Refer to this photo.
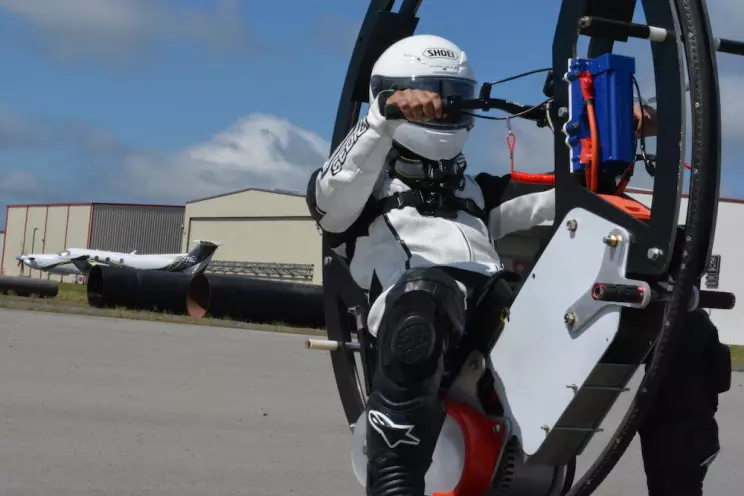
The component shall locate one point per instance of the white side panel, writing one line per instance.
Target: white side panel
(536, 359)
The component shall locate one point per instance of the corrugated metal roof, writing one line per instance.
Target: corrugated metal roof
(277, 191)
(145, 229)
(83, 204)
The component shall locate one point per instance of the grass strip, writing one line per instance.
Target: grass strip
(73, 299)
(81, 308)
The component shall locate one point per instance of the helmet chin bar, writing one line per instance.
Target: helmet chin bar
(622, 262)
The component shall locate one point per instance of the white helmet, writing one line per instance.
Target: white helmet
(429, 63)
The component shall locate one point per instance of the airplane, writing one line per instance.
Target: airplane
(79, 261)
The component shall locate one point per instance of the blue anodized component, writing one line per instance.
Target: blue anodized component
(613, 103)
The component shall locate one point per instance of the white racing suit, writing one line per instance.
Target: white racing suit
(404, 239)
(417, 310)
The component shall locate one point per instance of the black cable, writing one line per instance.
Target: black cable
(642, 138)
(520, 114)
(628, 173)
(524, 74)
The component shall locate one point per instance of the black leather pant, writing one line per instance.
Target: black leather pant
(679, 438)
(417, 356)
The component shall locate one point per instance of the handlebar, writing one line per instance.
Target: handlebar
(392, 112)
(732, 47)
(701, 298)
(453, 106)
(718, 300)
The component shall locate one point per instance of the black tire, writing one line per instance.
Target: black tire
(701, 219)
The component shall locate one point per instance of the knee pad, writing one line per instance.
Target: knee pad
(439, 286)
(424, 314)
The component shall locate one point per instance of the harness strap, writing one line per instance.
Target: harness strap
(434, 205)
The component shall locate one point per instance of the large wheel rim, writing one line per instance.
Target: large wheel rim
(694, 45)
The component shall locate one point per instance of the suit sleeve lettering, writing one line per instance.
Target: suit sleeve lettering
(338, 192)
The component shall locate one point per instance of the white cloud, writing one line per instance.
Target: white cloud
(117, 30)
(257, 151)
(22, 132)
(19, 182)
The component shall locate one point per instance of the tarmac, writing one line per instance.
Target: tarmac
(100, 406)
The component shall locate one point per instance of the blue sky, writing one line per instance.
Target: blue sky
(155, 101)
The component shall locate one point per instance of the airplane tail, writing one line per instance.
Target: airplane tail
(195, 261)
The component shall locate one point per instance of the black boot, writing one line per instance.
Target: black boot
(401, 438)
(404, 413)
(424, 317)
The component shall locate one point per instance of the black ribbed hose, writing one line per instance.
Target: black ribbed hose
(397, 480)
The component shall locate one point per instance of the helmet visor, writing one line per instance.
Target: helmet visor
(444, 87)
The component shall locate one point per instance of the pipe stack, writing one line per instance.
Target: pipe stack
(136, 289)
(26, 286)
(255, 300)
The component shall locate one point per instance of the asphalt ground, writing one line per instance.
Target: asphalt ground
(100, 406)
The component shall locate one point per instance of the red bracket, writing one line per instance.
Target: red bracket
(485, 440)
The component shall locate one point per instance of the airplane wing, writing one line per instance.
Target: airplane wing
(82, 264)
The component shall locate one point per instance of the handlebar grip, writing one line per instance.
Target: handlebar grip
(392, 112)
(730, 46)
(718, 300)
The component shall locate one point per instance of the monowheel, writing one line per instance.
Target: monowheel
(637, 268)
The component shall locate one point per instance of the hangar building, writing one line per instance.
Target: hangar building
(265, 232)
(118, 227)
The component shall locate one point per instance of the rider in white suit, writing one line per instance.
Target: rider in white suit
(419, 234)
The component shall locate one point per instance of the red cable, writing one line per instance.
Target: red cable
(524, 177)
(594, 176)
(587, 92)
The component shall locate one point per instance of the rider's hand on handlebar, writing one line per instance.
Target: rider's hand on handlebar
(417, 105)
(650, 125)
